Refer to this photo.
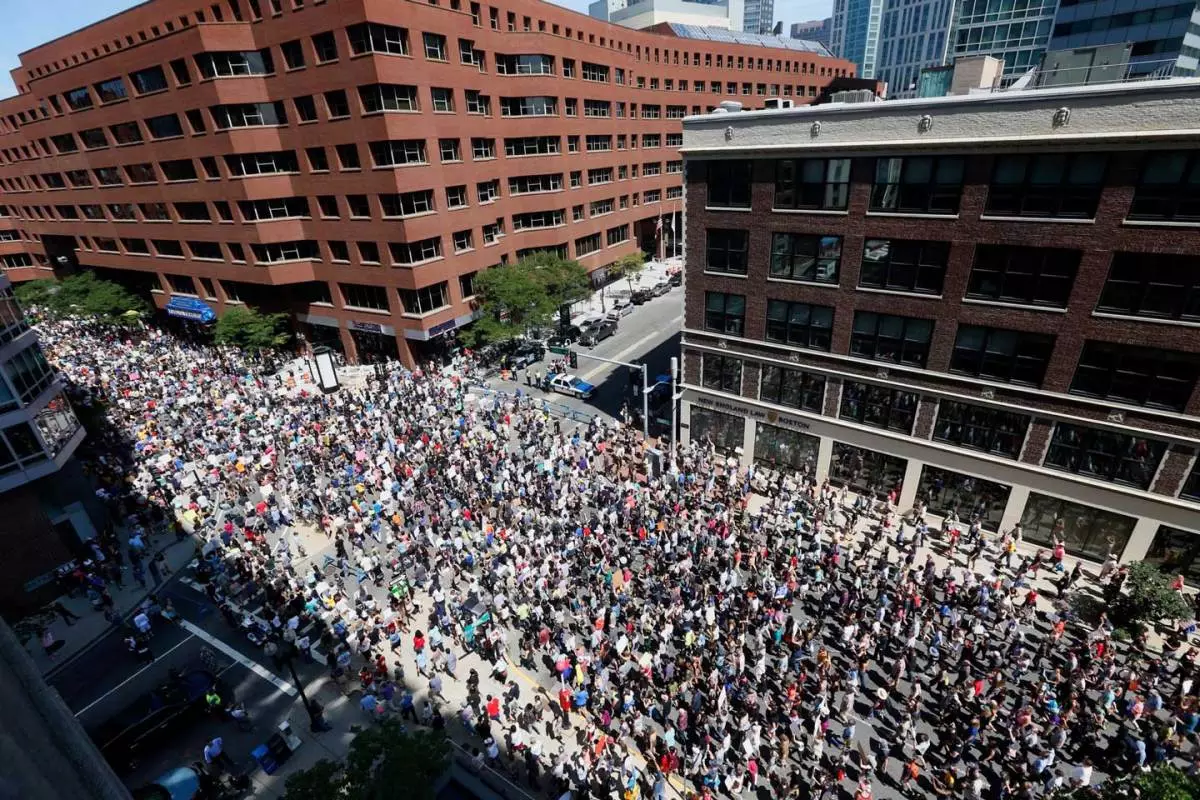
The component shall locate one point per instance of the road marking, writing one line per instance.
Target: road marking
(131, 677)
(621, 355)
(250, 664)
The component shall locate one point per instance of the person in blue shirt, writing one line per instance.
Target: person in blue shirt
(581, 698)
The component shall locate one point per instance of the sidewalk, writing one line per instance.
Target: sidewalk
(81, 634)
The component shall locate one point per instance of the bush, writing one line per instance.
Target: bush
(1147, 599)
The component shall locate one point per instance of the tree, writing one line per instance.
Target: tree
(242, 326)
(516, 297)
(36, 293)
(83, 295)
(384, 763)
(1163, 782)
(630, 266)
(1147, 598)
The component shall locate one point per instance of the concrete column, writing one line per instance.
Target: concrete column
(908, 492)
(1017, 498)
(748, 435)
(348, 345)
(1140, 540)
(824, 458)
(685, 422)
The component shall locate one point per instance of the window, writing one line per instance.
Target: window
(599, 176)
(885, 337)
(407, 204)
(93, 138)
(674, 140)
(154, 212)
(293, 54)
(495, 231)
(225, 214)
(277, 208)
(576, 213)
(534, 184)
(164, 127)
(524, 64)
(148, 80)
(388, 97)
(478, 103)
(571, 107)
(338, 251)
(918, 184)
(652, 140)
(435, 47)
(325, 46)
(1001, 355)
(126, 133)
(245, 115)
(727, 251)
(278, 252)
(463, 240)
(483, 149)
(67, 212)
(531, 146)
(360, 207)
(725, 431)
(167, 247)
(528, 106)
(371, 37)
(791, 387)
(64, 143)
(1027, 275)
(1155, 285)
(398, 152)
(721, 373)
(573, 145)
(576, 178)
(181, 170)
(651, 169)
(337, 104)
(904, 266)
(593, 72)
(804, 257)
(725, 313)
(1191, 486)
(111, 90)
(1174, 551)
(597, 108)
(368, 252)
(812, 184)
(599, 208)
(78, 99)
(249, 164)
(729, 184)
(449, 151)
(598, 143)
(232, 64)
(879, 406)
(467, 54)
(357, 295)
(443, 99)
(425, 300)
(586, 245)
(29, 373)
(990, 430)
(327, 203)
(487, 191)
(466, 285)
(614, 236)
(1108, 455)
(1049, 185)
(210, 251)
(799, 324)
(456, 197)
(347, 155)
(1139, 375)
(866, 471)
(195, 212)
(1169, 187)
(409, 253)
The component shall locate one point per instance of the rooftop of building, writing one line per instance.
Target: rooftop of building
(708, 34)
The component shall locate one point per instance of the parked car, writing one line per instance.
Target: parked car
(175, 703)
(526, 353)
(572, 385)
(597, 333)
(661, 287)
(559, 341)
(622, 306)
(640, 295)
(676, 278)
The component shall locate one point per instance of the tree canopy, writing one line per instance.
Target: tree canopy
(629, 266)
(383, 763)
(1163, 782)
(82, 295)
(1147, 598)
(516, 297)
(244, 327)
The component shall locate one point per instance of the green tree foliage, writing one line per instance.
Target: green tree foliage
(1163, 782)
(1147, 598)
(83, 295)
(384, 763)
(242, 326)
(629, 267)
(516, 297)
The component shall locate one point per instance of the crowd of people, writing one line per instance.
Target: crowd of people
(709, 630)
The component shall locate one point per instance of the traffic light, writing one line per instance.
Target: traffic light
(573, 359)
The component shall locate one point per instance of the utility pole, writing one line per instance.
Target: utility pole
(674, 407)
(645, 403)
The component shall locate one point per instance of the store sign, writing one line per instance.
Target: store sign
(444, 327)
(367, 327)
(752, 412)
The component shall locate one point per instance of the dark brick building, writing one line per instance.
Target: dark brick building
(354, 162)
(991, 303)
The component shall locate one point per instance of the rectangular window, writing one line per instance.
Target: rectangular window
(478, 103)
(651, 140)
(78, 99)
(410, 253)
(483, 149)
(1168, 188)
(1002, 355)
(93, 138)
(293, 54)
(532, 146)
(725, 313)
(598, 142)
(806, 257)
(377, 97)
(154, 212)
(600, 207)
(195, 211)
(729, 184)
(487, 191)
(524, 64)
(1142, 376)
(991, 430)
(435, 47)
(448, 150)
(1026, 275)
(456, 197)
(398, 152)
(337, 104)
(792, 388)
(358, 295)
(534, 184)
(167, 247)
(533, 220)
(466, 285)
(1057, 185)
(325, 46)
(348, 156)
(279, 252)
(64, 143)
(181, 170)
(727, 251)
(443, 99)
(918, 184)
(164, 127)
(1156, 285)
(368, 252)
(614, 236)
(901, 265)
(245, 115)
(674, 140)
(111, 90)
(425, 300)
(359, 205)
(327, 203)
(148, 80)
(890, 338)
(586, 245)
(206, 251)
(800, 324)
(250, 164)
(879, 406)
(235, 63)
(463, 241)
(821, 184)
(593, 72)
(372, 37)
(407, 204)
(600, 175)
(1108, 455)
(137, 246)
(1088, 531)
(721, 373)
(306, 108)
(276, 208)
(528, 106)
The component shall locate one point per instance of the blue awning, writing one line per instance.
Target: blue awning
(191, 308)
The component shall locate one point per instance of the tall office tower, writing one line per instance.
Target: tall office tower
(912, 36)
(1015, 32)
(854, 33)
(758, 16)
(1163, 35)
(816, 30)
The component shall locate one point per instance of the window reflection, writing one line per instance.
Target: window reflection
(782, 447)
(1087, 531)
(57, 423)
(968, 496)
(866, 470)
(1177, 552)
(726, 432)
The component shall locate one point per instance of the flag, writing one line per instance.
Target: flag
(658, 225)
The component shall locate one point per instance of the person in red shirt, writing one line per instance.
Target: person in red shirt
(418, 641)
(493, 707)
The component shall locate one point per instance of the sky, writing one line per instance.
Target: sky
(29, 23)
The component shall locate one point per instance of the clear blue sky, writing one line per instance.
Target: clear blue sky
(28, 23)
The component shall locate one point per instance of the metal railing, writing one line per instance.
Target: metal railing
(1048, 77)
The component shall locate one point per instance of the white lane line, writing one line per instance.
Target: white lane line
(250, 664)
(587, 376)
(131, 677)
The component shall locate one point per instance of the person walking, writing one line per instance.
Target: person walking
(215, 755)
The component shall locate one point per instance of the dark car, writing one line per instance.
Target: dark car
(676, 278)
(525, 354)
(598, 333)
(175, 703)
(640, 295)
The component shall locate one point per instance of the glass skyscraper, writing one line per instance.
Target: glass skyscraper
(855, 33)
(1165, 34)
(1016, 31)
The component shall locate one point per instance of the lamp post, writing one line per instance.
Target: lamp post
(316, 718)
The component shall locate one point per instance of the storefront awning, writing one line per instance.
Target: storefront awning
(191, 308)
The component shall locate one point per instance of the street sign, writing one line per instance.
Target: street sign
(560, 351)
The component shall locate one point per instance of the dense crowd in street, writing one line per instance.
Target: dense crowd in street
(729, 631)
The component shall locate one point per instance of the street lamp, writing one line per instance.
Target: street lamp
(316, 717)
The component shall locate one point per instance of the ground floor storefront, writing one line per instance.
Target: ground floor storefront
(1091, 516)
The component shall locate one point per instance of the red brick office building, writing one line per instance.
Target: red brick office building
(990, 302)
(357, 162)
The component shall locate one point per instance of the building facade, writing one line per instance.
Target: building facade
(1164, 34)
(816, 30)
(357, 163)
(1017, 32)
(644, 14)
(912, 36)
(758, 16)
(854, 33)
(991, 303)
(48, 505)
